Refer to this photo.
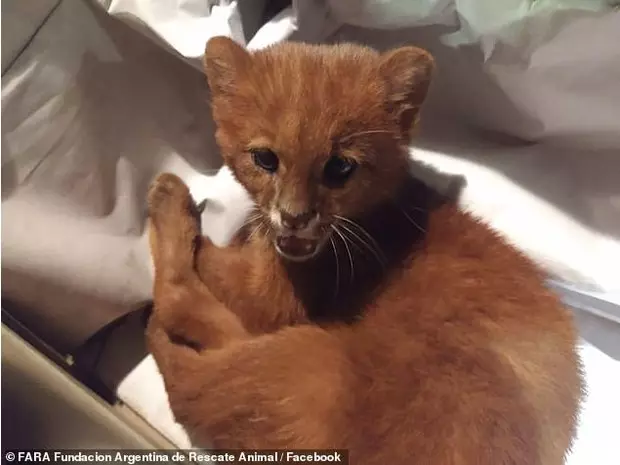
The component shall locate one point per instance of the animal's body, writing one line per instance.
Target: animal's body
(357, 309)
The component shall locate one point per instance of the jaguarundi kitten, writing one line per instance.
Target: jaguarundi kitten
(356, 309)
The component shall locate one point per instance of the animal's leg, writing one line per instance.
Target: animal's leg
(285, 389)
(184, 305)
(289, 389)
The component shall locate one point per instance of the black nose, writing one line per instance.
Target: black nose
(297, 221)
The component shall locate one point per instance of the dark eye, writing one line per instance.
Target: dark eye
(338, 169)
(266, 159)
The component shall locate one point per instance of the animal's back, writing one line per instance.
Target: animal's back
(461, 356)
(466, 358)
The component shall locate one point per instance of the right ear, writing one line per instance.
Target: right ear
(225, 63)
(408, 72)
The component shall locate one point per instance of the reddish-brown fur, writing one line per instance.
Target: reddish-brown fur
(453, 352)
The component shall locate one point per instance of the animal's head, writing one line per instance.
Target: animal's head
(315, 133)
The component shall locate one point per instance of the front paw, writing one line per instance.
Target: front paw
(175, 225)
(169, 197)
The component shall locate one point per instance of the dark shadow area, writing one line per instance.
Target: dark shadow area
(22, 420)
(115, 350)
(273, 7)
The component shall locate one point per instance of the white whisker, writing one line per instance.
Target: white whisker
(375, 249)
(411, 220)
(256, 230)
(368, 247)
(337, 289)
(344, 240)
(251, 220)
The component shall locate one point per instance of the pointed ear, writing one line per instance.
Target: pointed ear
(407, 72)
(225, 63)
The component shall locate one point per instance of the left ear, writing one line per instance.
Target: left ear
(407, 72)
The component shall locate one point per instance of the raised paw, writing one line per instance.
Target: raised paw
(174, 226)
(168, 195)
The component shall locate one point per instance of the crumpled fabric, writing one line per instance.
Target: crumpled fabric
(98, 97)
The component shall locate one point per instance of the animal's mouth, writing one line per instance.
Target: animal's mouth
(296, 248)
